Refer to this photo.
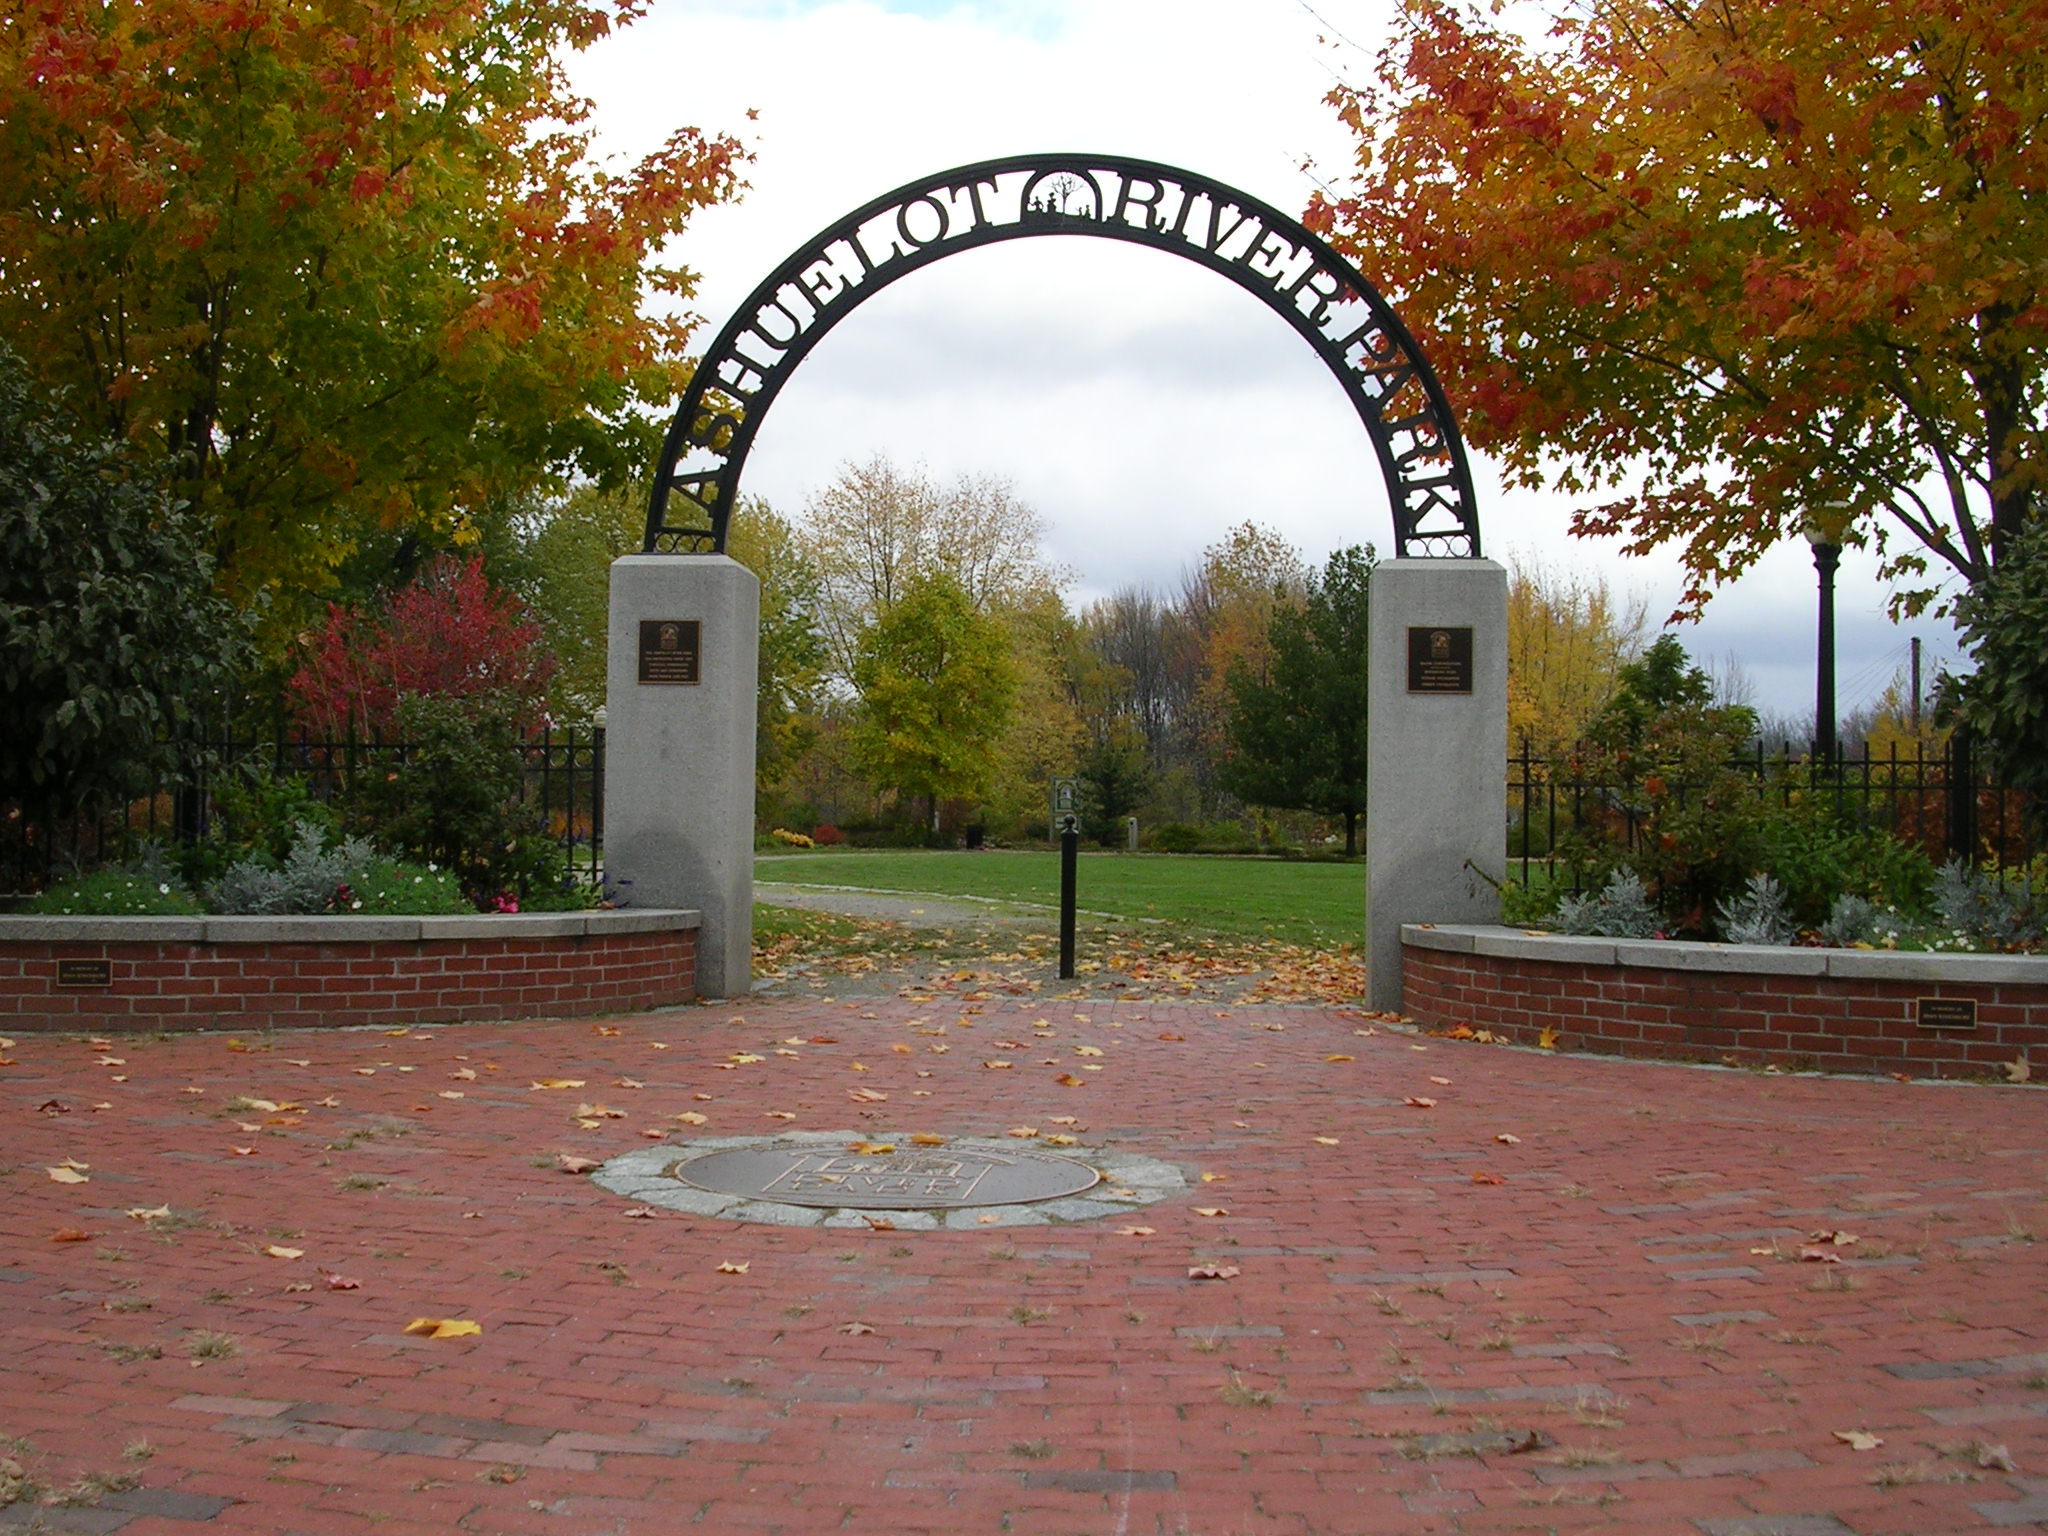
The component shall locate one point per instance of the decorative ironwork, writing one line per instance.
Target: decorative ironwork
(1275, 257)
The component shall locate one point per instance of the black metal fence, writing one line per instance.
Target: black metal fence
(1937, 801)
(563, 780)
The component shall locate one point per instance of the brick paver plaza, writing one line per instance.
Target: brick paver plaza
(1414, 1325)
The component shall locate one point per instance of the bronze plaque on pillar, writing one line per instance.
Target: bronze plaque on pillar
(670, 650)
(1439, 659)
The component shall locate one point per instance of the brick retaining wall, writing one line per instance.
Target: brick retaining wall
(1843, 1010)
(295, 972)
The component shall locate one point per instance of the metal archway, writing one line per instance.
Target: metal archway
(1262, 250)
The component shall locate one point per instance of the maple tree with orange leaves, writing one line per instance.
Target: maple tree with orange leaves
(349, 261)
(1725, 272)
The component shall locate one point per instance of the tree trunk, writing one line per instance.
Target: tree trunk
(1351, 834)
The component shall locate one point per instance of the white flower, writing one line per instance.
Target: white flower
(163, 890)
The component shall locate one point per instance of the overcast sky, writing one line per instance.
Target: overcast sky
(1141, 404)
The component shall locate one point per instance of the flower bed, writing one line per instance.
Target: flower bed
(104, 974)
(1844, 1010)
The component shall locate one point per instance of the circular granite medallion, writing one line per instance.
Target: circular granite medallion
(817, 1178)
(904, 1178)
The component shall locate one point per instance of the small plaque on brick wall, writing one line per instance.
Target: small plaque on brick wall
(1439, 660)
(85, 973)
(1945, 1012)
(670, 650)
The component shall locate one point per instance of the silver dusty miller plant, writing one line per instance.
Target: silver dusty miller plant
(1620, 910)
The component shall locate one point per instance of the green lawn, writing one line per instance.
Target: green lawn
(1298, 903)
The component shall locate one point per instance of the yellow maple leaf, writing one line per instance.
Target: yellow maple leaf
(730, 1268)
(1547, 1040)
(559, 1082)
(443, 1327)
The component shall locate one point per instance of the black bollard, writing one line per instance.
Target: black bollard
(1070, 858)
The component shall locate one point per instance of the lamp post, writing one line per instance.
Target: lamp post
(1824, 534)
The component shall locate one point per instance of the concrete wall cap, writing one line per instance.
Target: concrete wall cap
(106, 930)
(1748, 959)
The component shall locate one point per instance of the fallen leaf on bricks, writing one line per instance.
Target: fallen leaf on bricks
(1064, 1120)
(998, 1066)
(559, 1082)
(1067, 1079)
(1173, 1037)
(1022, 1132)
(1858, 1439)
(152, 1213)
(343, 1283)
(1483, 1177)
(605, 1029)
(691, 1117)
(1839, 1239)
(638, 1213)
(243, 1151)
(278, 1252)
(1326, 1141)
(1087, 1050)
(1441, 1082)
(599, 1112)
(66, 1175)
(1062, 1141)
(865, 1096)
(69, 1235)
(730, 1268)
(1213, 1271)
(855, 1328)
(1340, 1058)
(1812, 1255)
(2018, 1070)
(1212, 1210)
(1508, 1139)
(568, 1162)
(443, 1327)
(298, 1285)
(654, 1132)
(464, 1074)
(1135, 1231)
(624, 1082)
(879, 1223)
(927, 1139)
(1996, 1457)
(1417, 1102)
(1547, 1040)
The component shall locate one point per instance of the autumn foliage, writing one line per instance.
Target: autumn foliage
(1730, 268)
(449, 635)
(348, 261)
